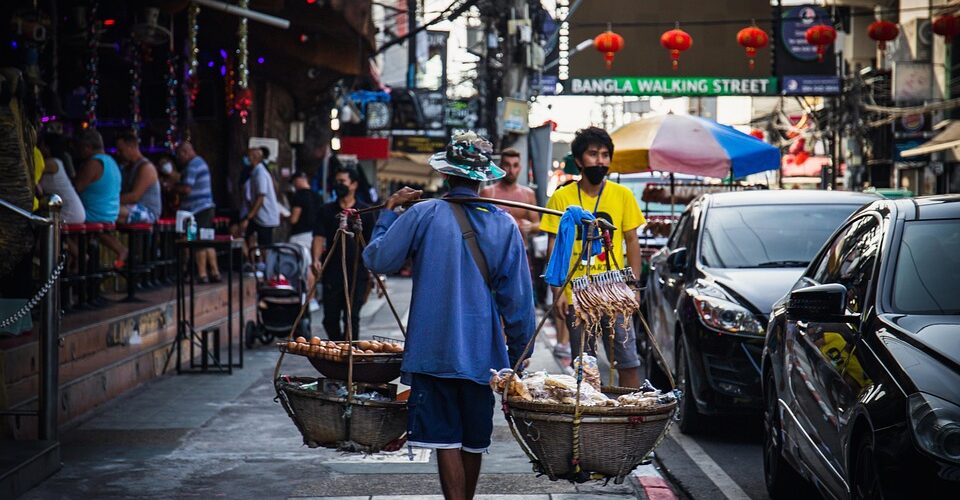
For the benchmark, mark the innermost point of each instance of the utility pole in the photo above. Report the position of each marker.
(411, 44)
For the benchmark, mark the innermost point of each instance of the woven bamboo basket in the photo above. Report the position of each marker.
(612, 440)
(328, 421)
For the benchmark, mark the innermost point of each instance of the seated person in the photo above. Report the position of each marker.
(98, 184)
(140, 200)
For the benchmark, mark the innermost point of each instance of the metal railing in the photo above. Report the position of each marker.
(50, 322)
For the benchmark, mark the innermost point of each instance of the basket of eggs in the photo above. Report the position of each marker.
(374, 361)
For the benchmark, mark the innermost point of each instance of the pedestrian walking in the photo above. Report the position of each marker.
(471, 309)
(196, 197)
(507, 188)
(261, 210)
(592, 151)
(346, 183)
(304, 206)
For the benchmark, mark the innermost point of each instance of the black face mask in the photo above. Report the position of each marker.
(341, 190)
(595, 174)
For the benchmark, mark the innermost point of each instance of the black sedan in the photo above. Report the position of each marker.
(861, 366)
(711, 288)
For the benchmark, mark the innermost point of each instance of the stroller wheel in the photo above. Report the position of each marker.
(266, 337)
(249, 334)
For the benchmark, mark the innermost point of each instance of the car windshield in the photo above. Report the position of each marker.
(928, 268)
(768, 235)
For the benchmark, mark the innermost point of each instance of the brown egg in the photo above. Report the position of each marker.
(368, 351)
(364, 344)
(315, 341)
(291, 346)
(301, 340)
(314, 350)
(376, 346)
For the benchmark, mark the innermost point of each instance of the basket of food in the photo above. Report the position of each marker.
(374, 361)
(606, 432)
(369, 420)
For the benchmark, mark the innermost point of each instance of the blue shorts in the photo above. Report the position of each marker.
(449, 413)
(137, 213)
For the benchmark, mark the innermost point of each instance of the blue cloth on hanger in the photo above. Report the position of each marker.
(559, 265)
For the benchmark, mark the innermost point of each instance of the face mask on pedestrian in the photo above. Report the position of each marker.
(246, 161)
(341, 190)
(595, 174)
(166, 168)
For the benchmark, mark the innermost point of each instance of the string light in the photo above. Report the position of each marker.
(169, 140)
(136, 81)
(244, 95)
(192, 80)
(93, 79)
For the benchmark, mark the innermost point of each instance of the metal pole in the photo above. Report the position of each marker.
(277, 22)
(411, 44)
(50, 328)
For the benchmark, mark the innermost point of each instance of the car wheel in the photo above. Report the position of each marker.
(691, 421)
(866, 479)
(778, 474)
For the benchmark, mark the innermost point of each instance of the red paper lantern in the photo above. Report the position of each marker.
(882, 32)
(752, 38)
(947, 26)
(609, 43)
(822, 36)
(676, 41)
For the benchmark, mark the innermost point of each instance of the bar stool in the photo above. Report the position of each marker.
(166, 262)
(221, 225)
(73, 280)
(90, 266)
(138, 263)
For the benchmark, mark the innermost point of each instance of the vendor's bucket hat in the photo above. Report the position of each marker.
(467, 155)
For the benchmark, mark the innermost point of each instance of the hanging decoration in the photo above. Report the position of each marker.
(93, 79)
(676, 41)
(244, 97)
(136, 82)
(882, 32)
(947, 26)
(192, 78)
(822, 36)
(170, 137)
(609, 43)
(752, 38)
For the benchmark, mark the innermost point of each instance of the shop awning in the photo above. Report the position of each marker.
(947, 139)
(406, 168)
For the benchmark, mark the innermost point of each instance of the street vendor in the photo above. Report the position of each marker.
(592, 151)
(462, 324)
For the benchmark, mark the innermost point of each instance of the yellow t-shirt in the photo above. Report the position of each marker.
(37, 174)
(617, 206)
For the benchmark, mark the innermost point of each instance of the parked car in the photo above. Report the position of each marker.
(861, 365)
(711, 288)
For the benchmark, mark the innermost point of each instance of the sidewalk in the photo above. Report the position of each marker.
(202, 436)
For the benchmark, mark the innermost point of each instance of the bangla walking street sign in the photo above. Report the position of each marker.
(671, 86)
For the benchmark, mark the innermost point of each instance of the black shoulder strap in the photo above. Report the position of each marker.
(470, 238)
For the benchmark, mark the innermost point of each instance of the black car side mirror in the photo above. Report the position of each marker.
(820, 303)
(677, 260)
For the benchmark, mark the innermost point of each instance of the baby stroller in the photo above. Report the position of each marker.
(281, 292)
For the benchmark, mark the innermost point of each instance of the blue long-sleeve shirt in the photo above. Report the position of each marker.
(454, 328)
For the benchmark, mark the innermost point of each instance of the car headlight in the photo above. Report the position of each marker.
(936, 425)
(726, 316)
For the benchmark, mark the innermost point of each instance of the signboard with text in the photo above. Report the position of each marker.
(672, 86)
(811, 85)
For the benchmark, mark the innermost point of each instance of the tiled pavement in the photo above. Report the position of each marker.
(203, 436)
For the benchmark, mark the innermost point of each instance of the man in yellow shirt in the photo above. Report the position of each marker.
(592, 150)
